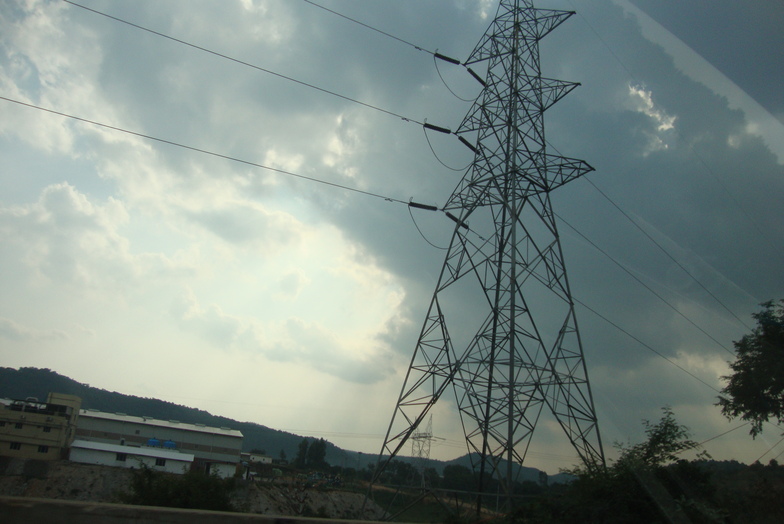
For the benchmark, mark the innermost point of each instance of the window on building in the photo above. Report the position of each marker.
(160, 462)
(18, 425)
(137, 431)
(16, 445)
(47, 429)
(43, 449)
(122, 457)
(2, 423)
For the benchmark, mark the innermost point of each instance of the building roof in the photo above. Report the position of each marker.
(133, 450)
(149, 421)
(30, 405)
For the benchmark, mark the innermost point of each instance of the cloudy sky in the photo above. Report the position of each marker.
(143, 267)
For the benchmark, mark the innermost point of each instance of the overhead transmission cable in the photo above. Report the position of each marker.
(211, 153)
(724, 433)
(300, 82)
(668, 254)
(446, 85)
(410, 203)
(646, 346)
(436, 55)
(771, 449)
(241, 62)
(420, 230)
(424, 125)
(646, 286)
(341, 15)
(438, 159)
(703, 442)
(661, 247)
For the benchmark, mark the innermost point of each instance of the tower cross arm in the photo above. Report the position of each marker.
(560, 170)
(534, 24)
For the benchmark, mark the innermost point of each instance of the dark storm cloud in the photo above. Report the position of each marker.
(744, 41)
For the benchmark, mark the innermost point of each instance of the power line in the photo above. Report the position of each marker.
(668, 254)
(646, 346)
(646, 286)
(700, 444)
(241, 62)
(436, 55)
(771, 449)
(206, 152)
(661, 248)
(420, 231)
(418, 48)
(438, 159)
(726, 432)
(340, 434)
(446, 85)
(409, 204)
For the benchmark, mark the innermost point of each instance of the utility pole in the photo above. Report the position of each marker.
(501, 331)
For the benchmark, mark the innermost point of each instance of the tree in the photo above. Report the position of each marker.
(403, 473)
(457, 476)
(666, 440)
(641, 486)
(194, 490)
(316, 455)
(755, 389)
(302, 454)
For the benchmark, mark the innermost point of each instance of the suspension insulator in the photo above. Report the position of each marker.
(478, 78)
(468, 145)
(422, 206)
(446, 58)
(436, 128)
(456, 220)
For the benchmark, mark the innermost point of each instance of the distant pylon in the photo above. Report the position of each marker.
(501, 331)
(420, 449)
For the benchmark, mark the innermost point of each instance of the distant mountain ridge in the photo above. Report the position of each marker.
(37, 382)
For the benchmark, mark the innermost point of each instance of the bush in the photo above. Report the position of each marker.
(193, 490)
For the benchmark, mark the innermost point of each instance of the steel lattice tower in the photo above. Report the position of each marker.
(420, 449)
(525, 356)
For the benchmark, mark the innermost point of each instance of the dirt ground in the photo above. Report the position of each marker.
(70, 481)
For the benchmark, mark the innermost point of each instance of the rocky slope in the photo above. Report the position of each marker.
(70, 481)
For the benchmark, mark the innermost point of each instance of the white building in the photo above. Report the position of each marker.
(87, 452)
(256, 458)
(214, 450)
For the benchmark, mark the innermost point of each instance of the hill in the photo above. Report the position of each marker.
(35, 382)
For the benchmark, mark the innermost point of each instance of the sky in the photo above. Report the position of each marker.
(138, 266)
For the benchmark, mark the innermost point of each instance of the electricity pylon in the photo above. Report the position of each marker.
(504, 270)
(420, 450)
